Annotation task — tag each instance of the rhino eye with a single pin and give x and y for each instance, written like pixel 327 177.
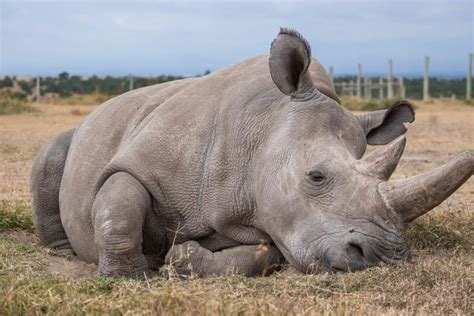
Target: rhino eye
pixel 316 177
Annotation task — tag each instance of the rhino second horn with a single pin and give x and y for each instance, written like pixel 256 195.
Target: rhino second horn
pixel 381 163
pixel 414 196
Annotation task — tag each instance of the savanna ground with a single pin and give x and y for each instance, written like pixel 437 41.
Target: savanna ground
pixel 439 280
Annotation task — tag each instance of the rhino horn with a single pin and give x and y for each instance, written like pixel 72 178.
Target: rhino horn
pixel 414 196
pixel 381 163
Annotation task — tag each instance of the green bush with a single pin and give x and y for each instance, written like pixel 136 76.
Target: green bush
pixel 7 82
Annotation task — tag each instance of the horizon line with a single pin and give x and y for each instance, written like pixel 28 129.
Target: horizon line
pixel 411 75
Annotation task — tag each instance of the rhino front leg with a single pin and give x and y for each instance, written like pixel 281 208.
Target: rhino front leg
pixel 249 260
pixel 119 210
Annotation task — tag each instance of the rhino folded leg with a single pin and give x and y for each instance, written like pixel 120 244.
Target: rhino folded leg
pixel 248 260
pixel 119 212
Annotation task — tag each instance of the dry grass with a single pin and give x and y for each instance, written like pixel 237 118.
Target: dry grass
pixel 34 280
pixel 10 105
pixel 359 104
pixel 81 99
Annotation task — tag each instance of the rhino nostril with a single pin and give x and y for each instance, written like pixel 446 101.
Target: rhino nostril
pixel 356 249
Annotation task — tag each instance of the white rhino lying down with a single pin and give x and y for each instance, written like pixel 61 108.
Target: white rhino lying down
pixel 237 171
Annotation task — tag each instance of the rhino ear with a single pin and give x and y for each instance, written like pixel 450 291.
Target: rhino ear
pixel 290 56
pixel 381 127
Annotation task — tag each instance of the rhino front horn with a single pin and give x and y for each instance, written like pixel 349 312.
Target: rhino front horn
pixel 414 196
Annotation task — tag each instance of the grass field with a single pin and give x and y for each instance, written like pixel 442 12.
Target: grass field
pixel 439 280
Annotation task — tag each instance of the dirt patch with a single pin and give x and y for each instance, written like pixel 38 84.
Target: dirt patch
pixel 20 236
pixel 57 262
pixel 70 268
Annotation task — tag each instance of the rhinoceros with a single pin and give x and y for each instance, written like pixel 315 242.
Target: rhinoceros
pixel 235 172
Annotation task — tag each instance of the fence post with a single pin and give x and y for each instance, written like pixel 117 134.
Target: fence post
pixel 381 88
pixel 369 89
pixel 366 88
pixel 468 77
pixel 130 85
pixel 351 88
pixel 426 93
pixel 390 80
pixel 358 82
pixel 402 87
pixel 38 90
pixel 331 74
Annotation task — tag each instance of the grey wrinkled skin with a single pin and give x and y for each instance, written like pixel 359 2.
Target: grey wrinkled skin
pixel 235 172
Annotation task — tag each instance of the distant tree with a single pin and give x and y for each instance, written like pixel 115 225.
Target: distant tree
pixel 7 82
pixel 26 86
pixel 63 75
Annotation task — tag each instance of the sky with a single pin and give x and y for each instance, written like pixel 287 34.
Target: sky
pixel 106 37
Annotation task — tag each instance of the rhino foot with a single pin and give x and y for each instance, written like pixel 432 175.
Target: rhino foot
pixel 190 258
pixel 119 211
pixel 135 267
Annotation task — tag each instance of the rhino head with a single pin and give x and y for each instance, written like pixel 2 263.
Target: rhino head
pixel 326 206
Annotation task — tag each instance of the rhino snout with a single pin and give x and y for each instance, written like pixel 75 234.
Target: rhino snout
pixel 354 253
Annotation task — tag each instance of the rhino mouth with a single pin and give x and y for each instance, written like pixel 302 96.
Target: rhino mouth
pixel 354 255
